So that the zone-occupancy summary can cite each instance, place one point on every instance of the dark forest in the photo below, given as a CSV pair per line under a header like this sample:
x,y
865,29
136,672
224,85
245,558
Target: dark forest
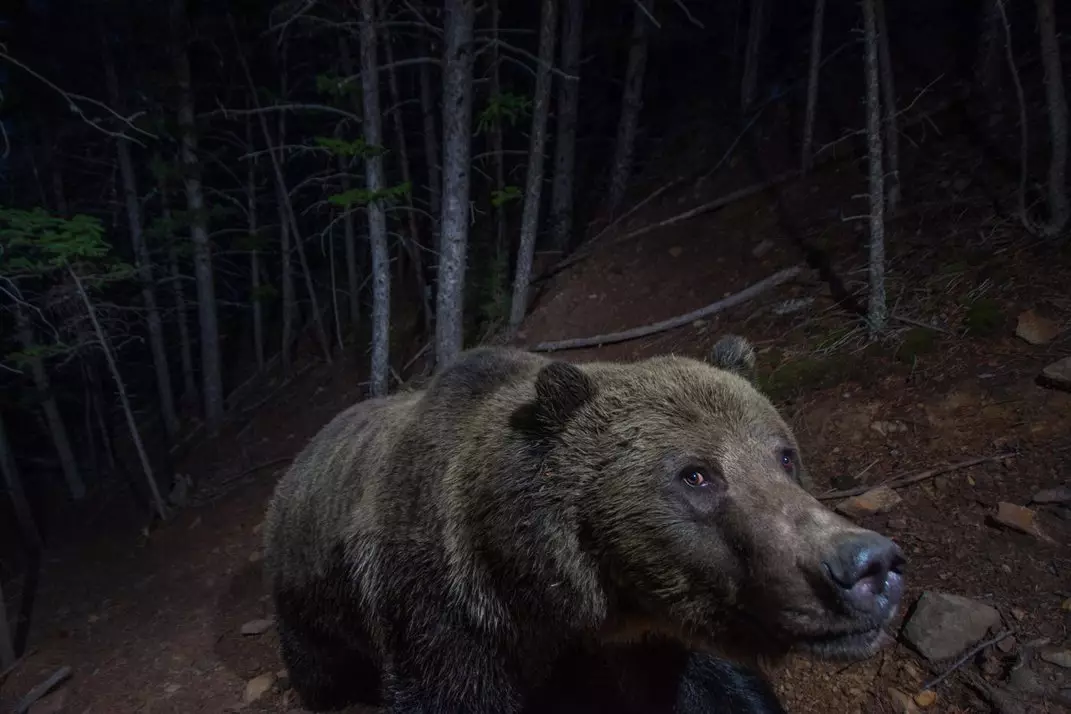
x,y
223,223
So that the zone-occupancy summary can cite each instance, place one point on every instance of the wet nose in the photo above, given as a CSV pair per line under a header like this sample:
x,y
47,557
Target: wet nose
x,y
866,568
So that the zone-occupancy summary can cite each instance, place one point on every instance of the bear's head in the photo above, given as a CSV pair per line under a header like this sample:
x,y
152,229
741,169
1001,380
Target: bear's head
x,y
693,501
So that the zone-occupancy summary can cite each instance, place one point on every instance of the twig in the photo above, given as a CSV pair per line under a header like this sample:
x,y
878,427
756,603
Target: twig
x,y
679,321
919,323
639,5
966,658
42,689
263,465
688,14
902,481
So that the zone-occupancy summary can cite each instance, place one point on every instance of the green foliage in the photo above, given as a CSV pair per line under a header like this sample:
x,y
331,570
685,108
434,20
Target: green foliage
x,y
506,195
24,358
342,147
35,243
506,108
362,196
338,87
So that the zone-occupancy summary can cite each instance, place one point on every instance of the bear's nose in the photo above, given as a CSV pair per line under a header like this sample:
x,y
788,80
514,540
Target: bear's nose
x,y
866,567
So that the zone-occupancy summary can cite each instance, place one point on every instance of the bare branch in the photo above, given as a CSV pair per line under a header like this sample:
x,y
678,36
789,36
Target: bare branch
x,y
647,13
290,107
688,14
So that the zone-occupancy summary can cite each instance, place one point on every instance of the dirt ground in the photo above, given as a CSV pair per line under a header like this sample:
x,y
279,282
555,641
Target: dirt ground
x,y
150,622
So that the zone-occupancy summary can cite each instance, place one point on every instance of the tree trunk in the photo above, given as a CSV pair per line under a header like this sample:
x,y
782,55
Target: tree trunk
x,y
533,185
888,100
988,57
287,266
158,501
254,253
211,365
431,150
1059,208
7,641
349,234
817,26
502,247
9,469
631,103
457,150
189,381
876,313
561,199
413,245
377,219
755,26
56,428
142,260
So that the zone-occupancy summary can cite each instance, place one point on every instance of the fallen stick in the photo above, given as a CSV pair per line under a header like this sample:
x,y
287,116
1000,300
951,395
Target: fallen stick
x,y
679,321
42,689
699,210
966,658
902,481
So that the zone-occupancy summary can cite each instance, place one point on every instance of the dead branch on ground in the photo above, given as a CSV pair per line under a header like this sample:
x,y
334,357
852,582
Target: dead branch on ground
x,y
910,479
679,321
42,689
965,659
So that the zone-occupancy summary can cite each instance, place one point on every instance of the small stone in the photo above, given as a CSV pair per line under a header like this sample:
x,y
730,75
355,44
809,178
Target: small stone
x,y
1019,519
1066,605
1060,494
1018,613
1057,375
902,702
1061,658
1007,645
1035,329
926,698
172,688
944,625
257,627
898,524
255,556
877,500
257,687
676,251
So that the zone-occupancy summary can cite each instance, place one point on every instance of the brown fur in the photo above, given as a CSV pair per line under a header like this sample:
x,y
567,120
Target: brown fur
x,y
446,545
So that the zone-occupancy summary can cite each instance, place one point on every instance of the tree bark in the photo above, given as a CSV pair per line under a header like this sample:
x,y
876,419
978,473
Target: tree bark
x,y
353,279
533,189
286,262
498,157
189,380
817,26
888,100
631,103
377,219
988,57
755,26
56,428
562,192
1059,207
9,469
457,150
120,386
211,363
254,253
413,244
431,151
877,311
142,260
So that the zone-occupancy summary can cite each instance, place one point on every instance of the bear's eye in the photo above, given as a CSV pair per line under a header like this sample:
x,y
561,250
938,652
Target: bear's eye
x,y
788,460
694,477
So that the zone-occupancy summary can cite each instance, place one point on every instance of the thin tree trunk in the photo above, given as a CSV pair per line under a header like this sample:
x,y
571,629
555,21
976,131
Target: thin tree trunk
x,y
142,260
888,100
211,364
254,253
287,266
158,501
987,59
561,199
817,26
189,380
334,287
413,245
457,151
431,150
631,103
1059,207
877,311
9,469
755,26
533,188
7,641
502,247
56,428
348,232
377,219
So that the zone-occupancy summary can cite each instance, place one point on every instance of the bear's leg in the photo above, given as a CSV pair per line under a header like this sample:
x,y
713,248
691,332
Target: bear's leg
x,y
455,676
326,673
712,684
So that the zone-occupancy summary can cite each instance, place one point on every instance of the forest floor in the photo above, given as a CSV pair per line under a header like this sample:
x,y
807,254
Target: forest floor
x,y
152,623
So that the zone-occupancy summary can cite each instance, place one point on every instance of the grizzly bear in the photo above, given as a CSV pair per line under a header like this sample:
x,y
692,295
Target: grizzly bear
x,y
447,549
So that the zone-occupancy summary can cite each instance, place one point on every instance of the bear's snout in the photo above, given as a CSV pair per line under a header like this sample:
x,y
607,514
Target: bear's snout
x,y
865,569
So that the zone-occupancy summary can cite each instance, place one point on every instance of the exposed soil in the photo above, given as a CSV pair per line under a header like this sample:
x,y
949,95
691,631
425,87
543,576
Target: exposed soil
x,y
151,622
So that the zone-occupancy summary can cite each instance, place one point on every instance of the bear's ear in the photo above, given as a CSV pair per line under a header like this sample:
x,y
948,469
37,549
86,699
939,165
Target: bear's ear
x,y
561,389
735,354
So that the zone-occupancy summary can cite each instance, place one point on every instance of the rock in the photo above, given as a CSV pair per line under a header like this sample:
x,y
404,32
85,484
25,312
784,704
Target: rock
x,y
1035,329
1019,519
1057,375
1060,494
257,687
257,627
1061,658
944,625
676,251
902,702
877,500
926,698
